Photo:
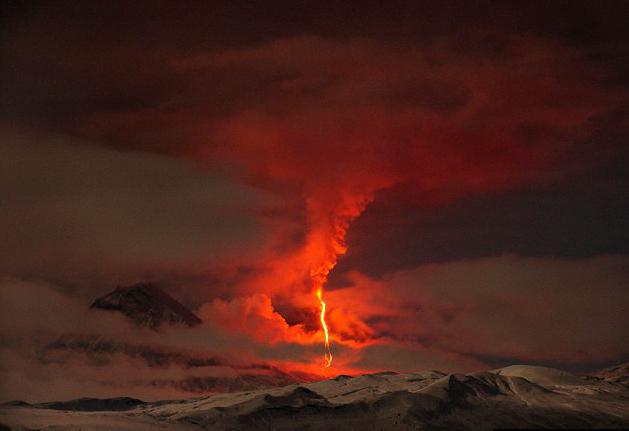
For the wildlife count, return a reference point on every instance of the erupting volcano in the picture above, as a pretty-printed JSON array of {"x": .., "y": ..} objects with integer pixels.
[
  {"x": 330, "y": 217},
  {"x": 319, "y": 278},
  {"x": 312, "y": 207}
]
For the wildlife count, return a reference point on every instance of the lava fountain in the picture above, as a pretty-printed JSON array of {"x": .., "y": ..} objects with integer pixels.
[
  {"x": 326, "y": 243},
  {"x": 328, "y": 353}
]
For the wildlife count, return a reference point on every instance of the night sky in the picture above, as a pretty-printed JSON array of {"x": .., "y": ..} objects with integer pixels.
[{"x": 453, "y": 175}]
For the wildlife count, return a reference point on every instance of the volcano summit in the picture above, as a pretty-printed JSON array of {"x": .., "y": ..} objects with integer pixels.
[{"x": 147, "y": 305}]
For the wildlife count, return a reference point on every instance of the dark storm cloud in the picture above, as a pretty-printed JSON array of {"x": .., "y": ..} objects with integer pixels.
[
  {"x": 582, "y": 215},
  {"x": 578, "y": 219},
  {"x": 71, "y": 209},
  {"x": 115, "y": 58}
]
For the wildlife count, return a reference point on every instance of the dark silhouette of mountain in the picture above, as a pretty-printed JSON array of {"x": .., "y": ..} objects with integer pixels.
[
  {"x": 94, "y": 404},
  {"x": 147, "y": 305},
  {"x": 101, "y": 349}
]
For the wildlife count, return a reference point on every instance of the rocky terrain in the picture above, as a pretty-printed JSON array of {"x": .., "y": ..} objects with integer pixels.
[
  {"x": 512, "y": 397},
  {"x": 618, "y": 374}
]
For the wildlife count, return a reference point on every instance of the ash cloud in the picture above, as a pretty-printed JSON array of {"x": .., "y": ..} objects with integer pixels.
[{"x": 213, "y": 156}]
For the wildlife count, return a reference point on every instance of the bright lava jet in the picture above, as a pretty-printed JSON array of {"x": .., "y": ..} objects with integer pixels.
[{"x": 328, "y": 354}]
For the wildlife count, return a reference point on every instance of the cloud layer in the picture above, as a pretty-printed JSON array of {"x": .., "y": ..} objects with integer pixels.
[{"x": 72, "y": 210}]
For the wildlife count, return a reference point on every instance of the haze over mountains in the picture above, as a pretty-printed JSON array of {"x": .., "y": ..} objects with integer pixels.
[
  {"x": 146, "y": 306},
  {"x": 514, "y": 396},
  {"x": 262, "y": 397}
]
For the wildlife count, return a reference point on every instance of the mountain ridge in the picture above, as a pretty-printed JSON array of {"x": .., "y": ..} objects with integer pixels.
[{"x": 482, "y": 400}]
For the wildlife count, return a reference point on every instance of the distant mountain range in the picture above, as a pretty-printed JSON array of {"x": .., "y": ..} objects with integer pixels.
[
  {"x": 518, "y": 396},
  {"x": 147, "y": 305}
]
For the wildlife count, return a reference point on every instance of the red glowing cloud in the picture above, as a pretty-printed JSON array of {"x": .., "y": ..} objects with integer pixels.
[
  {"x": 331, "y": 123},
  {"x": 450, "y": 181},
  {"x": 327, "y": 124},
  {"x": 344, "y": 120}
]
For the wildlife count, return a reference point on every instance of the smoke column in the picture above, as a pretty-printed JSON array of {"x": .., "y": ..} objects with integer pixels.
[{"x": 326, "y": 242}]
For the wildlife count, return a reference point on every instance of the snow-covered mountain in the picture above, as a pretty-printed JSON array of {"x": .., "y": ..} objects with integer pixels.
[
  {"x": 618, "y": 374},
  {"x": 512, "y": 397},
  {"x": 147, "y": 305}
]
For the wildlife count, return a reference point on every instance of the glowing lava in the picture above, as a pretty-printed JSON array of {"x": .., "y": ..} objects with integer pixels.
[
  {"x": 329, "y": 220},
  {"x": 328, "y": 354}
]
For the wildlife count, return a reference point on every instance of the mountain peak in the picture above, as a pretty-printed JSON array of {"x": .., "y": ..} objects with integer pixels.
[{"x": 147, "y": 305}]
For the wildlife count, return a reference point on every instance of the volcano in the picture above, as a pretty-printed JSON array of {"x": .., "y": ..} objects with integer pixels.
[{"x": 147, "y": 305}]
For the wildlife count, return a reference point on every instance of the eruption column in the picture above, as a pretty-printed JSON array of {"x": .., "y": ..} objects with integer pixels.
[{"x": 329, "y": 221}]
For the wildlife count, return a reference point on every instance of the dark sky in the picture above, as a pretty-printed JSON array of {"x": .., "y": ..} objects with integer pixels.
[{"x": 459, "y": 169}]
